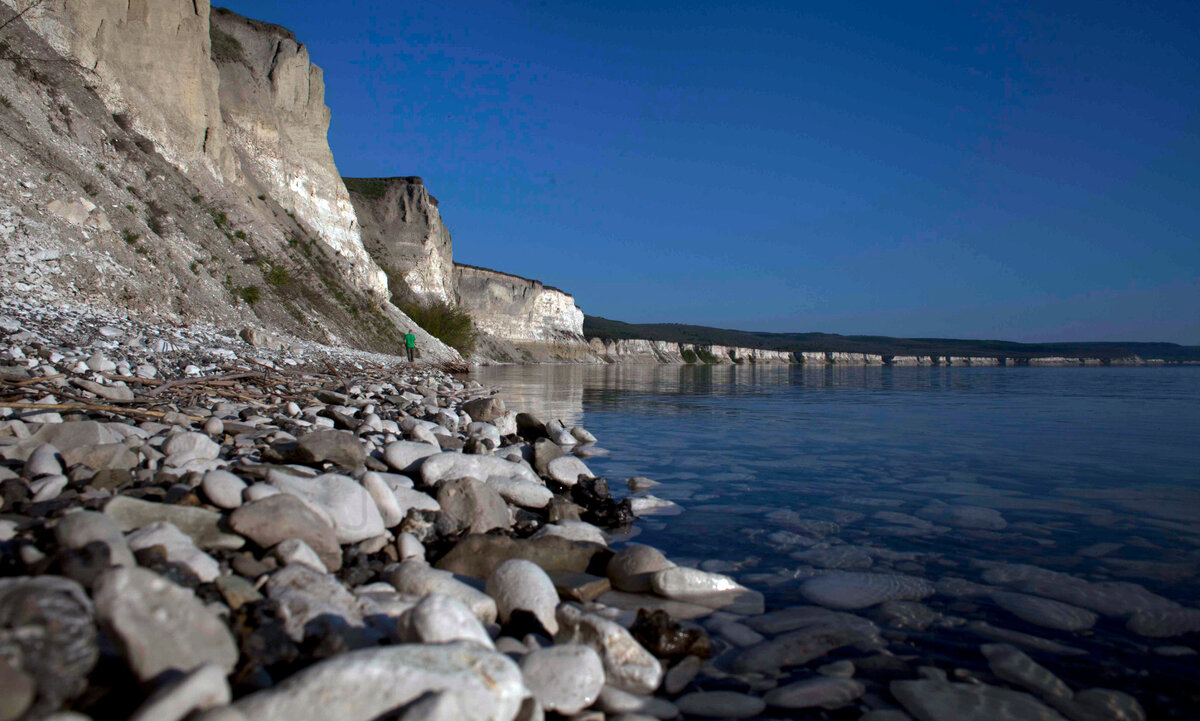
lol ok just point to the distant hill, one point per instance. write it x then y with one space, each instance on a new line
596 327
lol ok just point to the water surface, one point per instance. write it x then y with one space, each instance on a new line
1092 472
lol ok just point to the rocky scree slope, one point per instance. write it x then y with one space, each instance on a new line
126 183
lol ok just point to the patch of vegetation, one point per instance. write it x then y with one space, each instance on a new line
240 234
262 197
367 187
706 356
225 47
250 293
90 189
689 355
131 237
101 167
5 101
278 276
195 266
197 199
448 323
220 219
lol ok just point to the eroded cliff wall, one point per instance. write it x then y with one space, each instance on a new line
518 310
273 105
149 61
119 190
403 231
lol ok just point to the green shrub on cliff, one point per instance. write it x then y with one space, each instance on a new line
689 355
448 323
706 356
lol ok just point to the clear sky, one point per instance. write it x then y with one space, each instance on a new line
1018 170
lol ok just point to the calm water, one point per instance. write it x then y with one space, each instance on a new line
1094 472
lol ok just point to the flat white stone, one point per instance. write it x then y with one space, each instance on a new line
567 469
349 506
367 684
573 531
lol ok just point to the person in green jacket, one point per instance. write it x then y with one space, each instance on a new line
410 345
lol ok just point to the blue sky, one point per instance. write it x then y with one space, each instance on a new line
1017 170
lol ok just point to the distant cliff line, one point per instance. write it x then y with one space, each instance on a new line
883 350
640 350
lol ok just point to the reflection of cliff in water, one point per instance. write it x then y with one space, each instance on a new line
560 391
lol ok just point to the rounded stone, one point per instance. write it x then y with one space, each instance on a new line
565 678
439 618
195 445
223 489
520 585
633 566
567 470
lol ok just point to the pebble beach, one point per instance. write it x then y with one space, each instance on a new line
205 524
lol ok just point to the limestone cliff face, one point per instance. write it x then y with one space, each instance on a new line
516 309
403 231
273 105
637 350
147 60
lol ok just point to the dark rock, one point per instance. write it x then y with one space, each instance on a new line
529 427
477 556
560 509
484 409
667 639
13 493
521 623
84 565
155 559
478 446
339 447
262 638
448 443
17 690
599 508
46 630
476 505
273 519
111 479
251 567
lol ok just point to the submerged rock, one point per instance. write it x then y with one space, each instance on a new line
847 590
931 700
828 693
1045 612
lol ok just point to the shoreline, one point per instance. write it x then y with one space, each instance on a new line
234 530
288 522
